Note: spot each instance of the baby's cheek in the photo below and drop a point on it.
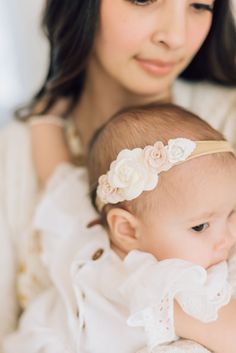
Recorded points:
(232, 227)
(199, 256)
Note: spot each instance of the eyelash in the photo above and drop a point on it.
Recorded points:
(203, 7)
(199, 226)
(144, 3)
(196, 6)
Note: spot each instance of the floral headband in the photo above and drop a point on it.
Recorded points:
(137, 170)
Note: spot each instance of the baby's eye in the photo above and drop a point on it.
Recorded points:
(142, 2)
(200, 227)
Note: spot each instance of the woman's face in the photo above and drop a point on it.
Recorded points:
(145, 44)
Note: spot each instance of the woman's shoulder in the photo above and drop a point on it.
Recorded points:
(196, 93)
(214, 103)
(215, 94)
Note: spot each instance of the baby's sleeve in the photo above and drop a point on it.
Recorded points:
(151, 287)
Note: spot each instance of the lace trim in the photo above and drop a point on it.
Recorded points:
(71, 132)
(157, 321)
(214, 293)
(47, 119)
(180, 346)
(203, 308)
(151, 287)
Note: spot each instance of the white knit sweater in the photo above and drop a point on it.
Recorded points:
(19, 191)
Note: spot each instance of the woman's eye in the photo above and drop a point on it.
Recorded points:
(201, 7)
(142, 2)
(200, 227)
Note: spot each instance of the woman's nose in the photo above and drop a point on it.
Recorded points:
(171, 28)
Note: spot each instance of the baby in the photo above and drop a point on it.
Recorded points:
(185, 212)
(163, 183)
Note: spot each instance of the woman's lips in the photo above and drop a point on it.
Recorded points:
(156, 67)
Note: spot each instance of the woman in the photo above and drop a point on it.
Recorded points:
(105, 57)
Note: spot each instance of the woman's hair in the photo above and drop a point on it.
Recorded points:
(140, 127)
(70, 27)
(216, 59)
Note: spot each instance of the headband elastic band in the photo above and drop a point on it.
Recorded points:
(210, 147)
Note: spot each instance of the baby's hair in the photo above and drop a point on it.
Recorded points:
(139, 127)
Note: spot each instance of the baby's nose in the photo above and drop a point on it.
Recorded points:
(232, 227)
(225, 242)
(232, 242)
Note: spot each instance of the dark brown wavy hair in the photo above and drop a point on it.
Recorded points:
(70, 26)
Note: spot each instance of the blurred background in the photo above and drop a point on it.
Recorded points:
(23, 53)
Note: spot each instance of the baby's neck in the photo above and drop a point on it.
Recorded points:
(119, 252)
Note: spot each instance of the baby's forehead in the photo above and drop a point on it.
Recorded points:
(205, 180)
(201, 169)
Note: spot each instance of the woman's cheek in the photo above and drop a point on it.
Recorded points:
(197, 35)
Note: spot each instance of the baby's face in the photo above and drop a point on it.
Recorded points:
(196, 220)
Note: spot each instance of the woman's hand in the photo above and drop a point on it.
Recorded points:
(49, 149)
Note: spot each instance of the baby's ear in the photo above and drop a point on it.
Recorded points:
(124, 229)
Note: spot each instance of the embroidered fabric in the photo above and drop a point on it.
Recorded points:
(152, 286)
(232, 271)
(205, 303)
(180, 346)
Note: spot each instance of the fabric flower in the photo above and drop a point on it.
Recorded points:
(137, 170)
(156, 157)
(179, 149)
(130, 173)
(107, 193)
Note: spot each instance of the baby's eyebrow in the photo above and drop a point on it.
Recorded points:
(203, 216)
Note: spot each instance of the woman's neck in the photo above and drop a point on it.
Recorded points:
(101, 98)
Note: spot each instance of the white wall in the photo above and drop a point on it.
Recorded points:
(23, 52)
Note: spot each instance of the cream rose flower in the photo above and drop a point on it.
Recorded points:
(156, 157)
(179, 149)
(129, 172)
(137, 170)
(106, 193)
